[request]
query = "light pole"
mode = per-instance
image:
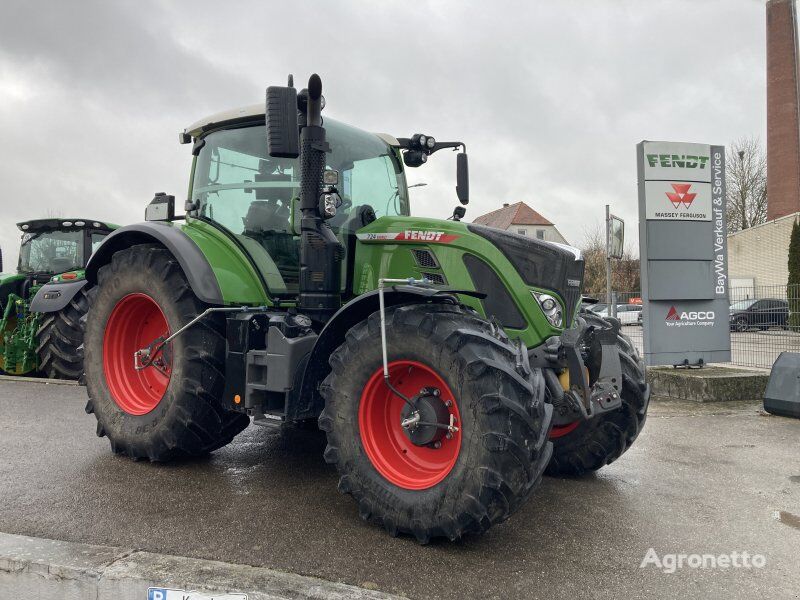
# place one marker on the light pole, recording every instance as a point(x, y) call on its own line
point(608, 261)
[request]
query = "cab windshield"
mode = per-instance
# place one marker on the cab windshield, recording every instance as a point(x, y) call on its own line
point(250, 193)
point(51, 252)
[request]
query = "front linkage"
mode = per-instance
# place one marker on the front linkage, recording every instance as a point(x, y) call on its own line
point(582, 399)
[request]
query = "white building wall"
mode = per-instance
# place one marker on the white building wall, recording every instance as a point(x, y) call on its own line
point(761, 253)
point(549, 232)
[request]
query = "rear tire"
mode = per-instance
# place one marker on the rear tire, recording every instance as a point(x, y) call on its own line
point(586, 446)
point(478, 477)
point(59, 339)
point(148, 414)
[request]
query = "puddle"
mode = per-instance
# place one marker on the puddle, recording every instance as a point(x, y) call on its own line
point(787, 518)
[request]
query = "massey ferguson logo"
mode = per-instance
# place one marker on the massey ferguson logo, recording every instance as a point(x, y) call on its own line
point(692, 318)
point(681, 195)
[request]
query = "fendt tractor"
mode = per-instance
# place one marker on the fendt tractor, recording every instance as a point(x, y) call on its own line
point(449, 364)
point(45, 339)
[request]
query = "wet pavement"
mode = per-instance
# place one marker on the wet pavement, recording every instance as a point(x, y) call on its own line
point(705, 479)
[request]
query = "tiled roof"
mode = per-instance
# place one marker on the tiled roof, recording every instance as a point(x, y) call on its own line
point(513, 214)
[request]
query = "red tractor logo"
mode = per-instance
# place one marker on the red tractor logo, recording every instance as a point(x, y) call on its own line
point(681, 195)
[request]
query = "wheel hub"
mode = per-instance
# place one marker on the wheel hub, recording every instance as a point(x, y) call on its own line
point(427, 421)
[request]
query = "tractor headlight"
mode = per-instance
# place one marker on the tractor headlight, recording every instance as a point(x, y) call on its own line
point(430, 142)
point(550, 307)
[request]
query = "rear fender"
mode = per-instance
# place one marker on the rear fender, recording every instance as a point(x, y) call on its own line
point(195, 266)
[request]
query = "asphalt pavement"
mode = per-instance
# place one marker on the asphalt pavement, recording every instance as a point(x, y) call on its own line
point(700, 479)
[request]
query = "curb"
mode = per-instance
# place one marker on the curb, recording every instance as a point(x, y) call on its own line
point(55, 570)
point(38, 380)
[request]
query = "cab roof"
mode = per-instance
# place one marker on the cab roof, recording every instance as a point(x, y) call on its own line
point(245, 113)
point(53, 223)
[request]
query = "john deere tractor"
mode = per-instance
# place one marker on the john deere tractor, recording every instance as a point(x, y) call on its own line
point(41, 332)
point(449, 364)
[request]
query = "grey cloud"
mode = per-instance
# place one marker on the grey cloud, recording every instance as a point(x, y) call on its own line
point(550, 98)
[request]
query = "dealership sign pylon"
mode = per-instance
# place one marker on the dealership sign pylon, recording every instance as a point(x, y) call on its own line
point(684, 256)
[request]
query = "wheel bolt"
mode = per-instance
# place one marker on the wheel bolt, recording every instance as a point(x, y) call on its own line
point(437, 444)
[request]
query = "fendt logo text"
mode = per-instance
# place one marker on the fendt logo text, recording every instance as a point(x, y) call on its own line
point(680, 161)
point(691, 318)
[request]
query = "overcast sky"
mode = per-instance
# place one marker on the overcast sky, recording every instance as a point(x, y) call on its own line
point(550, 97)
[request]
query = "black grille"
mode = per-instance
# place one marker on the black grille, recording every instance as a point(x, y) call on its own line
point(425, 259)
point(540, 264)
point(435, 278)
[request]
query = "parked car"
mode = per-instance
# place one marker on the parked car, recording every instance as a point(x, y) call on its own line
point(598, 307)
point(628, 314)
point(760, 314)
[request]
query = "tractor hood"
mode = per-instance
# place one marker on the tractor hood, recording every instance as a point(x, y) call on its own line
point(542, 264)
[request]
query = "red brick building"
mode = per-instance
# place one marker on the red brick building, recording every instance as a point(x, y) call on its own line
point(783, 110)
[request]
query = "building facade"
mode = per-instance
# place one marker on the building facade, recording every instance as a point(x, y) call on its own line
point(521, 219)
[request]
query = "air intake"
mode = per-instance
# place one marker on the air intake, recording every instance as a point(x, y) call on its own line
point(425, 259)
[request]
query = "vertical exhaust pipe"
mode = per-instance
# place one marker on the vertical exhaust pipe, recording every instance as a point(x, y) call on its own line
point(320, 251)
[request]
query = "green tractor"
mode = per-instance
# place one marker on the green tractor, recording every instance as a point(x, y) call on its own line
point(42, 332)
point(449, 364)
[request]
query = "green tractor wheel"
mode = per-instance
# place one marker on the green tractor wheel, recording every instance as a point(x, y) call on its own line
point(454, 367)
point(172, 408)
point(585, 446)
point(59, 340)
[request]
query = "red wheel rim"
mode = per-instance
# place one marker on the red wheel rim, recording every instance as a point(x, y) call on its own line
point(136, 321)
point(401, 462)
point(560, 430)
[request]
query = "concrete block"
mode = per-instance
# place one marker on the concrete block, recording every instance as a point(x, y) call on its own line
point(709, 384)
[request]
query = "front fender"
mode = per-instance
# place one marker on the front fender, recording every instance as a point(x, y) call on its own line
point(52, 297)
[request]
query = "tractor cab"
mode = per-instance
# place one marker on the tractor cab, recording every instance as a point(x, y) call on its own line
point(53, 246)
point(254, 196)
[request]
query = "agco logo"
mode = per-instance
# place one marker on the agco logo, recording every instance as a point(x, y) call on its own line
point(681, 195)
point(691, 318)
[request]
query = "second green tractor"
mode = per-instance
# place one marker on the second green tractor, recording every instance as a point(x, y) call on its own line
point(450, 365)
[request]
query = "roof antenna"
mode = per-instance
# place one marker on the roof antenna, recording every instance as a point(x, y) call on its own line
point(291, 80)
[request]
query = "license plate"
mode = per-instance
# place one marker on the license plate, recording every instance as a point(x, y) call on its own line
point(170, 594)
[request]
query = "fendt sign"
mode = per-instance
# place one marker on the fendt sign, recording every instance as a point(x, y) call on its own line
point(683, 253)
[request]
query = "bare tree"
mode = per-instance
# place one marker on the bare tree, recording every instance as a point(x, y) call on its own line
point(746, 184)
point(624, 272)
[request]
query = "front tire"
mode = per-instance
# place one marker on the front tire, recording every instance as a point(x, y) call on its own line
point(585, 446)
point(472, 480)
point(171, 410)
point(59, 338)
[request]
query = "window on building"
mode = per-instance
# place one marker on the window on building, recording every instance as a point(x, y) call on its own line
point(521, 231)
point(540, 234)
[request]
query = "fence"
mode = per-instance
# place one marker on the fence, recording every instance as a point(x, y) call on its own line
point(764, 321)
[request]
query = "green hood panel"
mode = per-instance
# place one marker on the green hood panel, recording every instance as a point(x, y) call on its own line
point(386, 248)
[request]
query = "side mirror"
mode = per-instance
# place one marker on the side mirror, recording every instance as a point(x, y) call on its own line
point(462, 177)
point(616, 237)
point(283, 137)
